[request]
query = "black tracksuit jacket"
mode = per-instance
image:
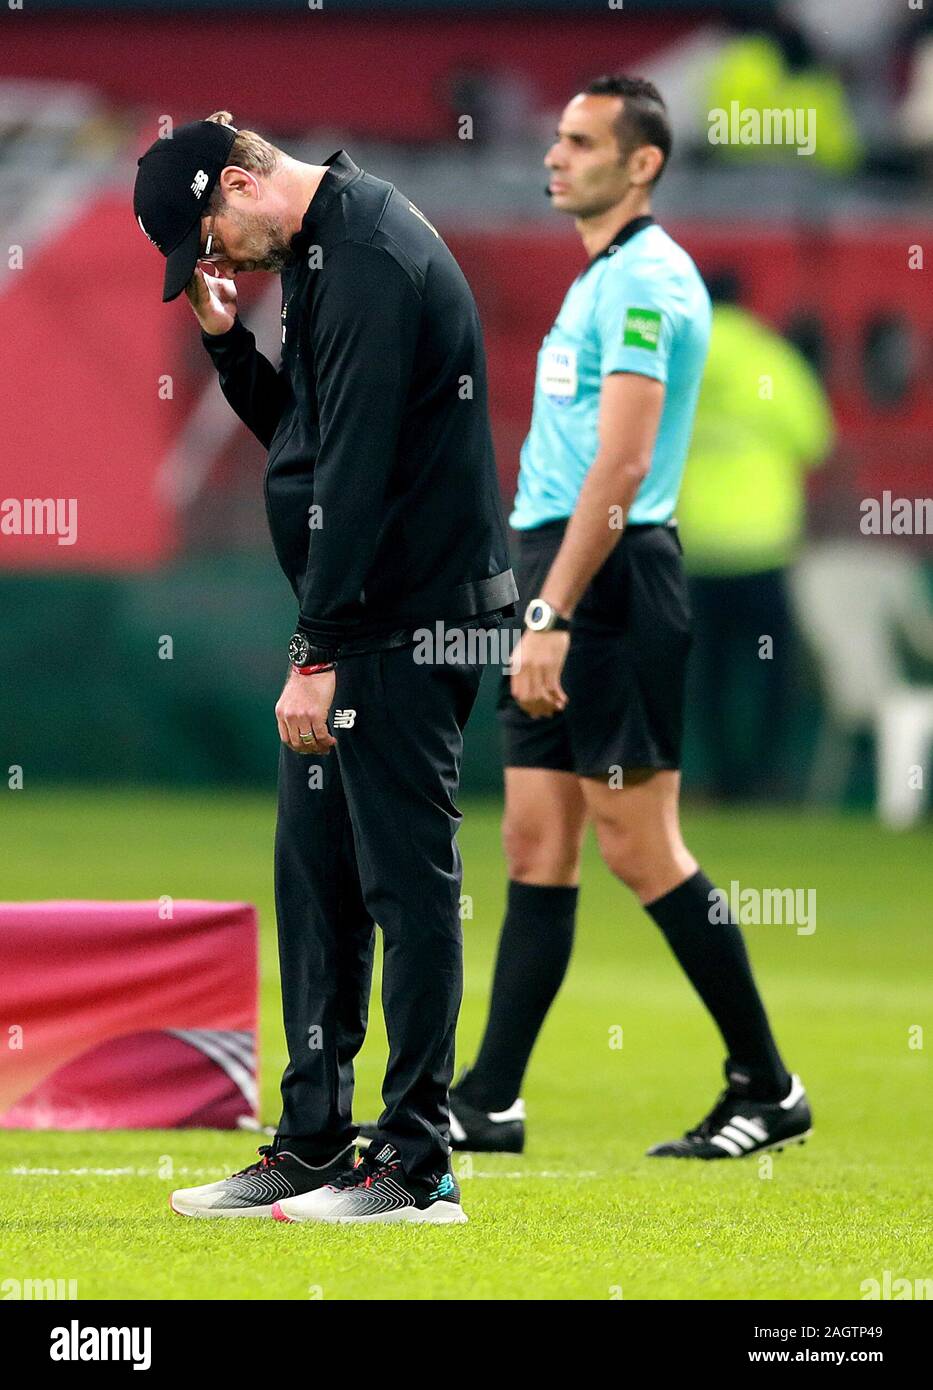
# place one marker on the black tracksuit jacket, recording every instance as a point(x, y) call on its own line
point(377, 419)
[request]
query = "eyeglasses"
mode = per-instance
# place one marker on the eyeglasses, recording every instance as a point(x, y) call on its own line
point(209, 254)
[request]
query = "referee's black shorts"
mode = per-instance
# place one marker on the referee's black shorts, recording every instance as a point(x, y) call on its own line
point(626, 666)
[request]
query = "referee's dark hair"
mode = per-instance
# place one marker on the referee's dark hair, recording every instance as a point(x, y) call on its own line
point(643, 120)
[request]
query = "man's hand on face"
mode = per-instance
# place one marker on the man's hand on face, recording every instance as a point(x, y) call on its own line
point(213, 299)
point(536, 668)
point(302, 708)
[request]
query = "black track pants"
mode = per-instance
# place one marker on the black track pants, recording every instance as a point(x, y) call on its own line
point(364, 836)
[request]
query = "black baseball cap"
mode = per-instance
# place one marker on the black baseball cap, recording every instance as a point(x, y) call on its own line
point(174, 181)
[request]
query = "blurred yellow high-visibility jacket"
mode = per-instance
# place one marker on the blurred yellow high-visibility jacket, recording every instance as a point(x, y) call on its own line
point(751, 71)
point(762, 421)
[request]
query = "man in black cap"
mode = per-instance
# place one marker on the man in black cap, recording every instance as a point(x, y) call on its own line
point(383, 503)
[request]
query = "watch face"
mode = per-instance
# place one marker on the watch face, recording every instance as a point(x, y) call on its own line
point(537, 615)
point(299, 649)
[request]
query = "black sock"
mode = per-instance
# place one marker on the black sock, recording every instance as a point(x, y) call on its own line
point(713, 956)
point(534, 950)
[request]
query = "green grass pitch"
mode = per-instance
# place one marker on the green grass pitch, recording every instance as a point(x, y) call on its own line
point(582, 1214)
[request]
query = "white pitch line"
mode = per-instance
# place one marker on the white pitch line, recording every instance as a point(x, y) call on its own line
point(21, 1171)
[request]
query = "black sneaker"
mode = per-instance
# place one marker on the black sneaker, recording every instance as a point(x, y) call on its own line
point(378, 1190)
point(255, 1189)
point(737, 1125)
point(473, 1130)
point(484, 1132)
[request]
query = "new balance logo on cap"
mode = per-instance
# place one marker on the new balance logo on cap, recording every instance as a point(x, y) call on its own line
point(199, 183)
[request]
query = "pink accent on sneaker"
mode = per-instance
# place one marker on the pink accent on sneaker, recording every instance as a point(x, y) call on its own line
point(280, 1215)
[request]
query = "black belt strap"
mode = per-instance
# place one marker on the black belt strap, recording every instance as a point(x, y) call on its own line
point(476, 596)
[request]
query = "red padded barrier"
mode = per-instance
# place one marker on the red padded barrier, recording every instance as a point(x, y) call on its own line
point(118, 1015)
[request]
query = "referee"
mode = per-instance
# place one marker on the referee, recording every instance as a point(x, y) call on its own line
point(592, 716)
point(383, 503)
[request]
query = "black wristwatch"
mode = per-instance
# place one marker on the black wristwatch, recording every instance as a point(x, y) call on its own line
point(540, 616)
point(302, 652)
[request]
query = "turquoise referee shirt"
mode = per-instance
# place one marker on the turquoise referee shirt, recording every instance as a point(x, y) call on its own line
point(642, 307)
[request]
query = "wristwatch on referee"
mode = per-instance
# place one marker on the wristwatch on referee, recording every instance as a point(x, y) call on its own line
point(307, 659)
point(540, 616)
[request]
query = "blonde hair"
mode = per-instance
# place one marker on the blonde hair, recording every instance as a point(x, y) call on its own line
point(249, 151)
